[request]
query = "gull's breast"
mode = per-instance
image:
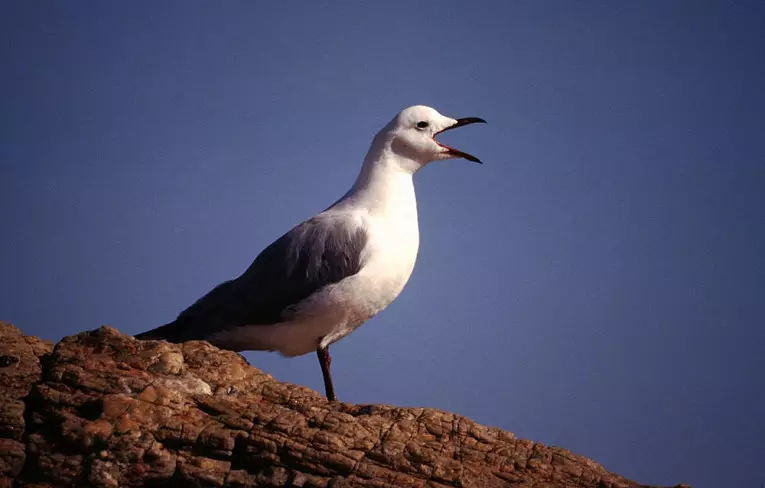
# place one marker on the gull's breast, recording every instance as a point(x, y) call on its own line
point(389, 261)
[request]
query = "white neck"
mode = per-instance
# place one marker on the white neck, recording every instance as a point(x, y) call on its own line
point(385, 184)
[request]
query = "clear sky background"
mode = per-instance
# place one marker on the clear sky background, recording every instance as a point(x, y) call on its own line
point(599, 284)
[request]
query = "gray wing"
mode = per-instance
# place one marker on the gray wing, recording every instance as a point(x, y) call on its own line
point(319, 252)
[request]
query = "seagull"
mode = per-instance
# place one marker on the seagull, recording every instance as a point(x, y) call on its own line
point(328, 275)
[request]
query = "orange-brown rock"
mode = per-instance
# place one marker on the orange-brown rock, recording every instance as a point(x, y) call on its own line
point(103, 409)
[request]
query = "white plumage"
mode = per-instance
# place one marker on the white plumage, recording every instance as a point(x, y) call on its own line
point(332, 273)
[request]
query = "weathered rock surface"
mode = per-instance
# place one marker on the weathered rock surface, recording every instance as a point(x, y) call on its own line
point(102, 409)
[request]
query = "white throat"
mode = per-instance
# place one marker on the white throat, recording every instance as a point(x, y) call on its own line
point(385, 185)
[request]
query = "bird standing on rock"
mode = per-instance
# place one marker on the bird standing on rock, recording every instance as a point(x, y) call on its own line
point(330, 274)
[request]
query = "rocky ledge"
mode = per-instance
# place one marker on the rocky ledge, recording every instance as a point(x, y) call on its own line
point(103, 409)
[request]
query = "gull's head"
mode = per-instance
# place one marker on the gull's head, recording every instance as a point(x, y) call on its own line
point(412, 135)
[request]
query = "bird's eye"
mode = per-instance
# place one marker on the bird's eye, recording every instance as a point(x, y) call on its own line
point(422, 125)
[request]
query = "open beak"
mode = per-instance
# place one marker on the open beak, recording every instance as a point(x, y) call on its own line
point(456, 152)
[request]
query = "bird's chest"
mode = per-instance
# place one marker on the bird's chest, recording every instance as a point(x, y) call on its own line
point(390, 258)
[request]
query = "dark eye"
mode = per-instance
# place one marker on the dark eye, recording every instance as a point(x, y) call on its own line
point(422, 125)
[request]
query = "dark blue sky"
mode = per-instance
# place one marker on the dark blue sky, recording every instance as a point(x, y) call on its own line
point(598, 284)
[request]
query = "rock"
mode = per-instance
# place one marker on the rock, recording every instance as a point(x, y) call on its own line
point(103, 409)
point(20, 370)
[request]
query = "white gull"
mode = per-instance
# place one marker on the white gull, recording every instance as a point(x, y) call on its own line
point(330, 274)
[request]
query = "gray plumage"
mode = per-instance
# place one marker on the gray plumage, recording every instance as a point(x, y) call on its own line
point(319, 252)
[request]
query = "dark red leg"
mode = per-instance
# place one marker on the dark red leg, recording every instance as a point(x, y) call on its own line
point(325, 360)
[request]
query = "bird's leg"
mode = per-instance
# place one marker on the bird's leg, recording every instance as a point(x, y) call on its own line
point(325, 360)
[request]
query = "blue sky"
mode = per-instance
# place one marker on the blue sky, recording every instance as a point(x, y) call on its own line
point(598, 284)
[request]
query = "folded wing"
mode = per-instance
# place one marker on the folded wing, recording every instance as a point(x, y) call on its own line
point(319, 252)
